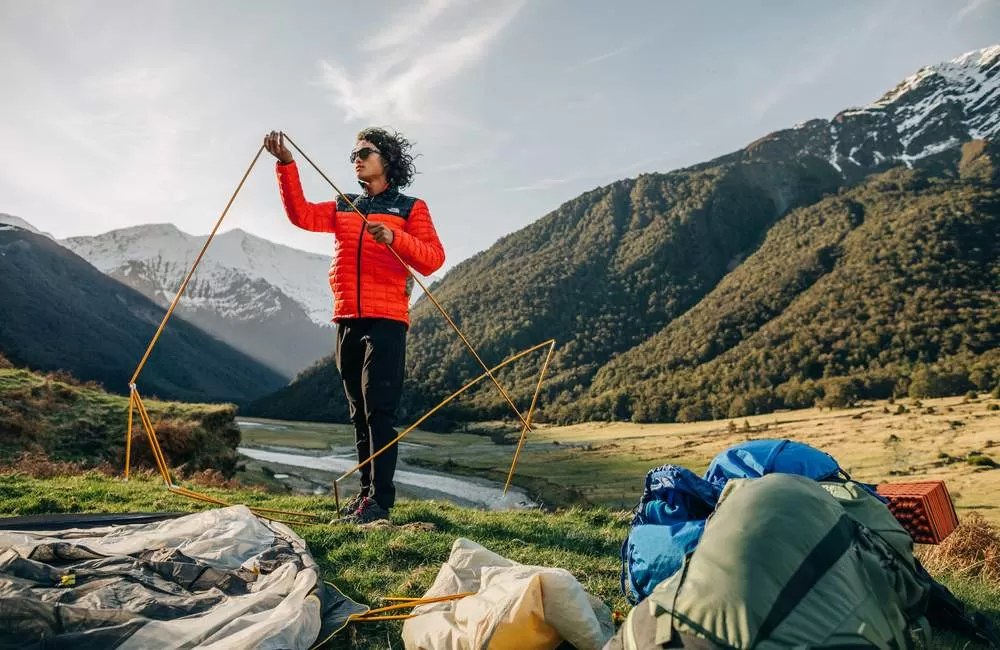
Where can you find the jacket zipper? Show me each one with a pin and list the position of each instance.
(361, 240)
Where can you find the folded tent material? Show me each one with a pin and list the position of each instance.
(514, 606)
(216, 579)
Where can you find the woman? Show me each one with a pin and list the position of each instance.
(371, 292)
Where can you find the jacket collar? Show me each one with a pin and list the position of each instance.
(388, 192)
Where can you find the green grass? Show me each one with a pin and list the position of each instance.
(88, 395)
(368, 565)
(302, 435)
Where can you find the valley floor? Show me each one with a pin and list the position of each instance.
(955, 439)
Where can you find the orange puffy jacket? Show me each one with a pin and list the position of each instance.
(367, 280)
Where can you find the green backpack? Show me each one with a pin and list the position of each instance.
(786, 562)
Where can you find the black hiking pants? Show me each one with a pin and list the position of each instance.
(371, 354)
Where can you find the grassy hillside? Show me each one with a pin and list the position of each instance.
(54, 416)
(402, 560)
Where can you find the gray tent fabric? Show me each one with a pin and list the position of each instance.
(221, 578)
(61, 520)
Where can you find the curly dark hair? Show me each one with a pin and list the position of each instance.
(395, 151)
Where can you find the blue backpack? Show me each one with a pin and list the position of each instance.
(675, 503)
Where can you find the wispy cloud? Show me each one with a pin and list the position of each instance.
(408, 26)
(607, 55)
(634, 43)
(143, 116)
(411, 60)
(126, 108)
(541, 184)
(970, 8)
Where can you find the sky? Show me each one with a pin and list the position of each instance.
(118, 113)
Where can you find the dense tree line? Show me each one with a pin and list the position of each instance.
(888, 288)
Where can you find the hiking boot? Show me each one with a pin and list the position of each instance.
(352, 506)
(367, 512)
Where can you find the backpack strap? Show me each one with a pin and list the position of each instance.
(892, 604)
(823, 556)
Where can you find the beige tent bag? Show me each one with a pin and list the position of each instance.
(514, 607)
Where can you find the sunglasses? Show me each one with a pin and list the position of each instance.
(363, 153)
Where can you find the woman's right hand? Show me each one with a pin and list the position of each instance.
(274, 142)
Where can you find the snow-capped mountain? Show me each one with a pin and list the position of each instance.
(270, 301)
(57, 311)
(924, 119)
(159, 256)
(8, 220)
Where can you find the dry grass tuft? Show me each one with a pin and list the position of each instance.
(211, 478)
(38, 465)
(971, 551)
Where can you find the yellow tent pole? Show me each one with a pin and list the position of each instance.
(128, 434)
(531, 411)
(441, 405)
(420, 601)
(154, 444)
